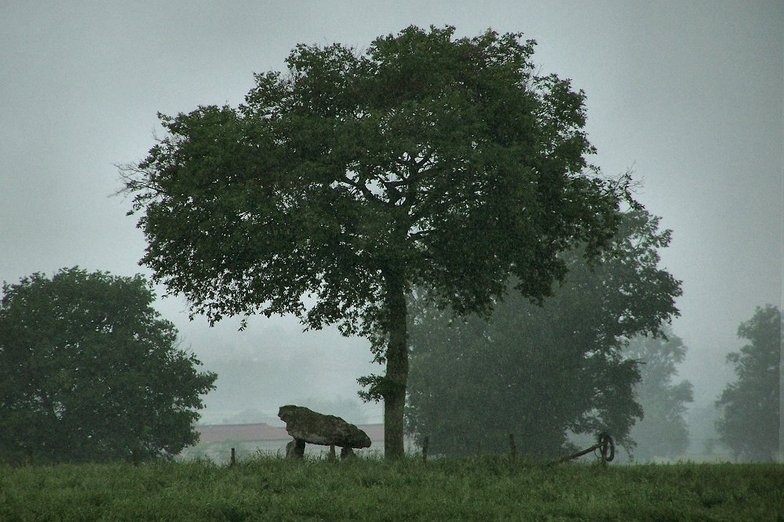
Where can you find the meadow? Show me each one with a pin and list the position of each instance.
(266, 488)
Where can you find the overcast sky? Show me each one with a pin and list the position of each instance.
(690, 95)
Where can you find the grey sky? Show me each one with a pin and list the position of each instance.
(688, 94)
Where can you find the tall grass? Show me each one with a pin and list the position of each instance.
(266, 488)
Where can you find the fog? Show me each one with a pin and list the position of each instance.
(689, 95)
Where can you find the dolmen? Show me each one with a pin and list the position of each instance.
(308, 426)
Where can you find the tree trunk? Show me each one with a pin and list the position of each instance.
(397, 367)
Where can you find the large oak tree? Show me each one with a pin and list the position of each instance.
(426, 160)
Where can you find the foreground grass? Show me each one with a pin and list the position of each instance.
(484, 489)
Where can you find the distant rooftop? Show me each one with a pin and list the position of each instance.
(262, 431)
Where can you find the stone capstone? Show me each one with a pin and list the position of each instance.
(306, 425)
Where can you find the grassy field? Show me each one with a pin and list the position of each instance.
(481, 489)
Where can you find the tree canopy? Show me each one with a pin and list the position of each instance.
(542, 372)
(90, 371)
(425, 161)
(749, 422)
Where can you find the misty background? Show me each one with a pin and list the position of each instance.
(688, 95)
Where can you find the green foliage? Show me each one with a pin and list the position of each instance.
(541, 371)
(481, 489)
(425, 161)
(662, 432)
(749, 424)
(90, 371)
(425, 155)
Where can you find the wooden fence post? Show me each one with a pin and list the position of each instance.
(513, 447)
(233, 460)
(425, 444)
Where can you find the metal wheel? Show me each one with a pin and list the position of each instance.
(606, 447)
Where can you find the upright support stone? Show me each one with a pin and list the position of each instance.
(295, 449)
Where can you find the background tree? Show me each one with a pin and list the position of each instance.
(749, 423)
(662, 432)
(543, 371)
(90, 371)
(425, 161)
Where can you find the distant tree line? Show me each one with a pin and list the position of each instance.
(662, 433)
(543, 371)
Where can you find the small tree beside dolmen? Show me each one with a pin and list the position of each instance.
(308, 426)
